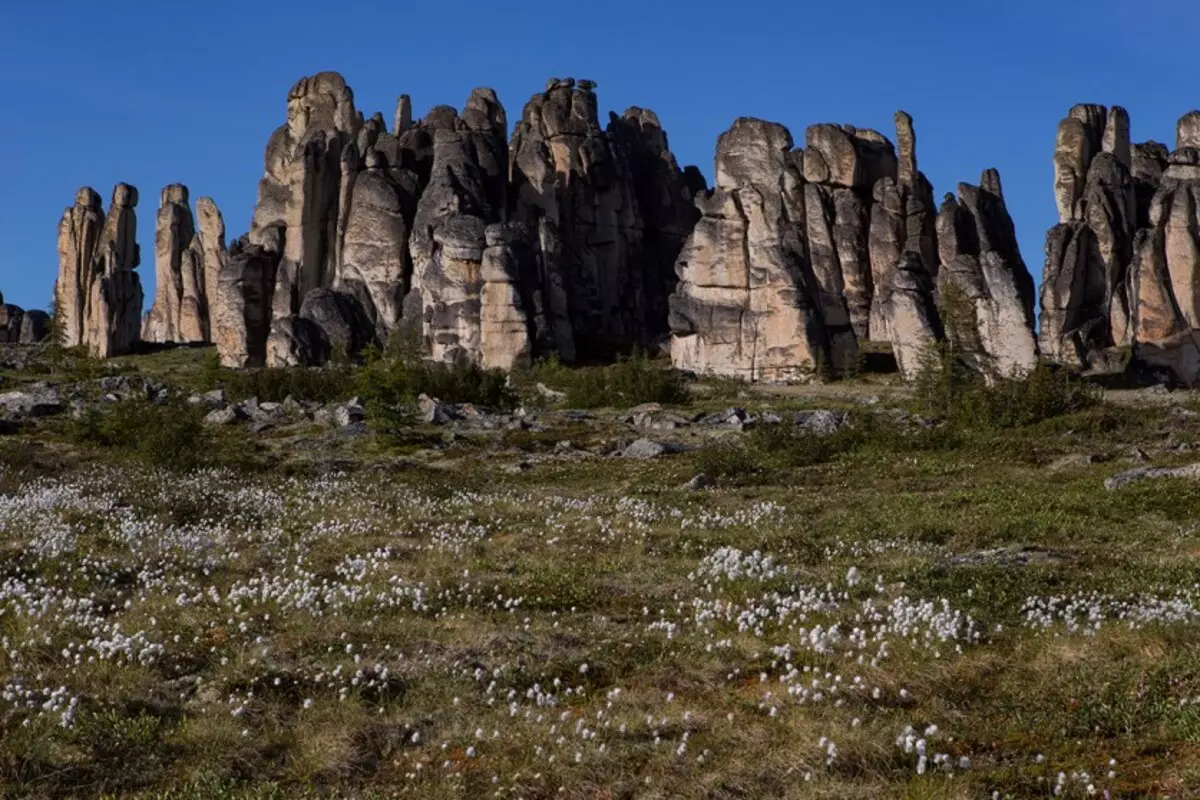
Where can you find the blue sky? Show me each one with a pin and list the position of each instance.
(156, 93)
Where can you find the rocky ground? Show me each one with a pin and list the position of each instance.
(835, 590)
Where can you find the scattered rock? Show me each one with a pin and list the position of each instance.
(698, 482)
(1013, 556)
(347, 414)
(1074, 461)
(821, 422)
(1151, 473)
(39, 400)
(648, 448)
(551, 395)
(224, 416)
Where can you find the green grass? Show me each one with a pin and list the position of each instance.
(498, 579)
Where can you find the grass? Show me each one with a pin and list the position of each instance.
(629, 382)
(580, 628)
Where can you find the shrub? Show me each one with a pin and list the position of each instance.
(950, 390)
(629, 382)
(273, 385)
(172, 435)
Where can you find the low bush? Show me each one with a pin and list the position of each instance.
(950, 390)
(172, 435)
(273, 385)
(629, 382)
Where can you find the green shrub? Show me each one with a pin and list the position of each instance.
(629, 382)
(172, 435)
(389, 383)
(949, 389)
(328, 384)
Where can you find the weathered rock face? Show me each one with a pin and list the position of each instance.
(298, 209)
(1102, 185)
(1164, 279)
(746, 303)
(18, 326)
(665, 200)
(866, 206)
(11, 318)
(375, 247)
(860, 210)
(465, 193)
(605, 263)
(98, 293)
(908, 308)
(505, 330)
(241, 310)
(985, 289)
(35, 327)
(180, 311)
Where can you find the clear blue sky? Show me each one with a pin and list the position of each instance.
(155, 93)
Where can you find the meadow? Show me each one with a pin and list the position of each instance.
(938, 599)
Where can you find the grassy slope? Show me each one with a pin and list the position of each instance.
(473, 583)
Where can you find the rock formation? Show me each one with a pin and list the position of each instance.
(856, 212)
(906, 307)
(181, 308)
(580, 240)
(985, 289)
(466, 192)
(241, 311)
(1164, 279)
(746, 304)
(18, 326)
(1123, 265)
(605, 262)
(98, 295)
(1085, 306)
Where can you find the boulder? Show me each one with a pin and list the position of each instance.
(39, 400)
(644, 449)
(343, 322)
(1122, 479)
(821, 422)
(296, 342)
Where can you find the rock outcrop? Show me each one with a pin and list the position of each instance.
(985, 290)
(908, 309)
(18, 326)
(241, 310)
(1123, 265)
(1084, 299)
(1164, 279)
(98, 295)
(181, 308)
(857, 210)
(466, 193)
(746, 304)
(610, 209)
